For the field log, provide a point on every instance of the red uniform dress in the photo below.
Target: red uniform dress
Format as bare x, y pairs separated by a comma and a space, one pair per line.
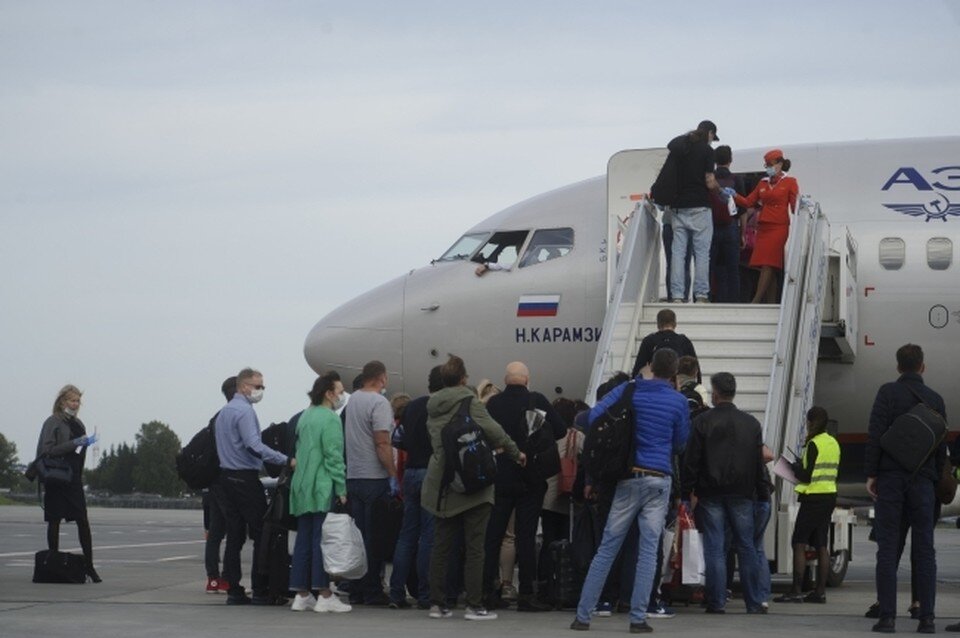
776, 197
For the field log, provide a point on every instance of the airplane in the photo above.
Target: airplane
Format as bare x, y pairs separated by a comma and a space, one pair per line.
896, 201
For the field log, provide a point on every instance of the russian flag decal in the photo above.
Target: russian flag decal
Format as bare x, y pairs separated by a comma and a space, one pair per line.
538, 305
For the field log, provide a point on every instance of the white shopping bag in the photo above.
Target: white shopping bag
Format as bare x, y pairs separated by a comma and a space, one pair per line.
692, 558
342, 547
669, 550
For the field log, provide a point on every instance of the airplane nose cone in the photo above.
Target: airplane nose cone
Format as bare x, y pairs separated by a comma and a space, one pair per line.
366, 328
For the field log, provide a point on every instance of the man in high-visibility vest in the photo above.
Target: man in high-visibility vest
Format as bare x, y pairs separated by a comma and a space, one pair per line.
817, 493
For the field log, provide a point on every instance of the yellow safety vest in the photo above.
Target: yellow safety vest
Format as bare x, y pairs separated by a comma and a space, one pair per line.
823, 480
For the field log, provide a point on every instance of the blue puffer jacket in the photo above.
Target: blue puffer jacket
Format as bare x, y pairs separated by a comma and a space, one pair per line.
663, 422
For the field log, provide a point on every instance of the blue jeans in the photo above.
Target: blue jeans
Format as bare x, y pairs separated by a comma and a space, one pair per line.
725, 263
642, 499
712, 515
761, 516
691, 225
416, 537
912, 500
361, 495
667, 236
306, 569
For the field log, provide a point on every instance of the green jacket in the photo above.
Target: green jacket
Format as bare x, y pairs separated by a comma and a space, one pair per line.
320, 473
440, 409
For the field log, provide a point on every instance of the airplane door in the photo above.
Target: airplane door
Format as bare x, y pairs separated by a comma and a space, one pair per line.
849, 297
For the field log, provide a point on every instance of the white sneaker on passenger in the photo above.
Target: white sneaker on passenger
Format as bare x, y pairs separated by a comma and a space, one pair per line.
436, 611
479, 614
303, 603
331, 605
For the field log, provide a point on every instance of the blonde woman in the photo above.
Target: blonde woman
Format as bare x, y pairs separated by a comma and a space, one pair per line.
64, 436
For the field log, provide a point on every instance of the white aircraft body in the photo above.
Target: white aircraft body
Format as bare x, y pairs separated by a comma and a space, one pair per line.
899, 201
893, 208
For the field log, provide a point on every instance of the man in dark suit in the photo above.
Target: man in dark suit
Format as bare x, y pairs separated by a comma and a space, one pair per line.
902, 494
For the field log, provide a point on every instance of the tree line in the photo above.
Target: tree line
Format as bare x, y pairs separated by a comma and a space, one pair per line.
147, 466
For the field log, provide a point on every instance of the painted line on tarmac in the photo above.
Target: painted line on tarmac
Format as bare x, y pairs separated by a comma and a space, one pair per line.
173, 558
101, 548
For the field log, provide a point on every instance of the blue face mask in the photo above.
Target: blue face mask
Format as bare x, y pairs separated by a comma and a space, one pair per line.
771, 171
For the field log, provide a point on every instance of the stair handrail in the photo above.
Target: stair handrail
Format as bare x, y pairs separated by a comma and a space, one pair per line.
643, 230
803, 372
794, 268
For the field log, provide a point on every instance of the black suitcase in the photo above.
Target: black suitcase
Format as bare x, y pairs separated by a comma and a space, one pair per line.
59, 567
565, 583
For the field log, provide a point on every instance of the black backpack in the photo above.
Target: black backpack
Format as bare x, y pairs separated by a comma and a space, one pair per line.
694, 400
915, 435
609, 445
198, 464
469, 464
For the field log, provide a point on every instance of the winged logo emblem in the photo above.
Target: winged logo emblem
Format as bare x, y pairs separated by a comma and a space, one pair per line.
940, 208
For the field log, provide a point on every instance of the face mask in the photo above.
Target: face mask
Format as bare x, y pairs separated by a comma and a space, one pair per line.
70, 412
383, 391
339, 403
771, 171
255, 396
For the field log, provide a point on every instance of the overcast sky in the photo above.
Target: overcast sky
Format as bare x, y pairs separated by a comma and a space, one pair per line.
187, 187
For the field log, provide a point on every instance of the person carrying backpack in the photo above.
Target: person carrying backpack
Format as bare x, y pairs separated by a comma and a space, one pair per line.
666, 336
688, 383
450, 489
661, 425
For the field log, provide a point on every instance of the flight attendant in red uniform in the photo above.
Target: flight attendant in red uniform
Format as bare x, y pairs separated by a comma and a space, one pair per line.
776, 194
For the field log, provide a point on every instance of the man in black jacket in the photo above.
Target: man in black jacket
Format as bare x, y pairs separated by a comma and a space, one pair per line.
518, 488
902, 495
666, 336
723, 465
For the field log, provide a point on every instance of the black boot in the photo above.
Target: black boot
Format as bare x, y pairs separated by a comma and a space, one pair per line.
92, 574
528, 602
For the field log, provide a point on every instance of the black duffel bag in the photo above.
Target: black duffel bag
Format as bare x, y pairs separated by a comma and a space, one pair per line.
59, 567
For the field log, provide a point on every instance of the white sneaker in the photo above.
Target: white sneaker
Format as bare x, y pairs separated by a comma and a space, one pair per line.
302, 603
436, 611
331, 605
479, 614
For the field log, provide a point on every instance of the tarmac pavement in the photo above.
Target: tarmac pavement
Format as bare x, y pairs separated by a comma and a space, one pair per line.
151, 562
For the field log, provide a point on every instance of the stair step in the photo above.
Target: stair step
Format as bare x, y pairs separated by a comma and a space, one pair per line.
714, 332
715, 313
759, 366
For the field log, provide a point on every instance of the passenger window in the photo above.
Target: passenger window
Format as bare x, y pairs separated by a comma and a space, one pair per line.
464, 247
548, 244
893, 252
502, 248
939, 253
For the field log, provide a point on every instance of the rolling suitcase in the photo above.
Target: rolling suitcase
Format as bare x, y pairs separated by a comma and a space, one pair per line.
566, 580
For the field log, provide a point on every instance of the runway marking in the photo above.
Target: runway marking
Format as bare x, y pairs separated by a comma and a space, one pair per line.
101, 548
173, 558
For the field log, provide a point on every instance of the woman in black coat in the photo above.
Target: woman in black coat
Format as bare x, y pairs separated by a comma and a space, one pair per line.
64, 436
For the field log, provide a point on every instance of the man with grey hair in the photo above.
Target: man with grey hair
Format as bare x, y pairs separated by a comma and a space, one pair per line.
238, 488
724, 466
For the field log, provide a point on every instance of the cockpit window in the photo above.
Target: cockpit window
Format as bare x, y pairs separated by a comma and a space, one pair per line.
502, 248
465, 247
547, 244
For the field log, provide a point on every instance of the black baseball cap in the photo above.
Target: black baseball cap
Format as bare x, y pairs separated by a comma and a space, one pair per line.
707, 125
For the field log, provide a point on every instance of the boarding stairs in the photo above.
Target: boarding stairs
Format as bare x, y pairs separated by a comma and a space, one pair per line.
771, 349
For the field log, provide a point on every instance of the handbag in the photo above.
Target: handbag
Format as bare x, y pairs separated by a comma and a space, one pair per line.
947, 485
568, 464
53, 470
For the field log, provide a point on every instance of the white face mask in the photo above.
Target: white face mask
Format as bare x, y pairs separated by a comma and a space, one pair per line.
339, 403
70, 412
255, 396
